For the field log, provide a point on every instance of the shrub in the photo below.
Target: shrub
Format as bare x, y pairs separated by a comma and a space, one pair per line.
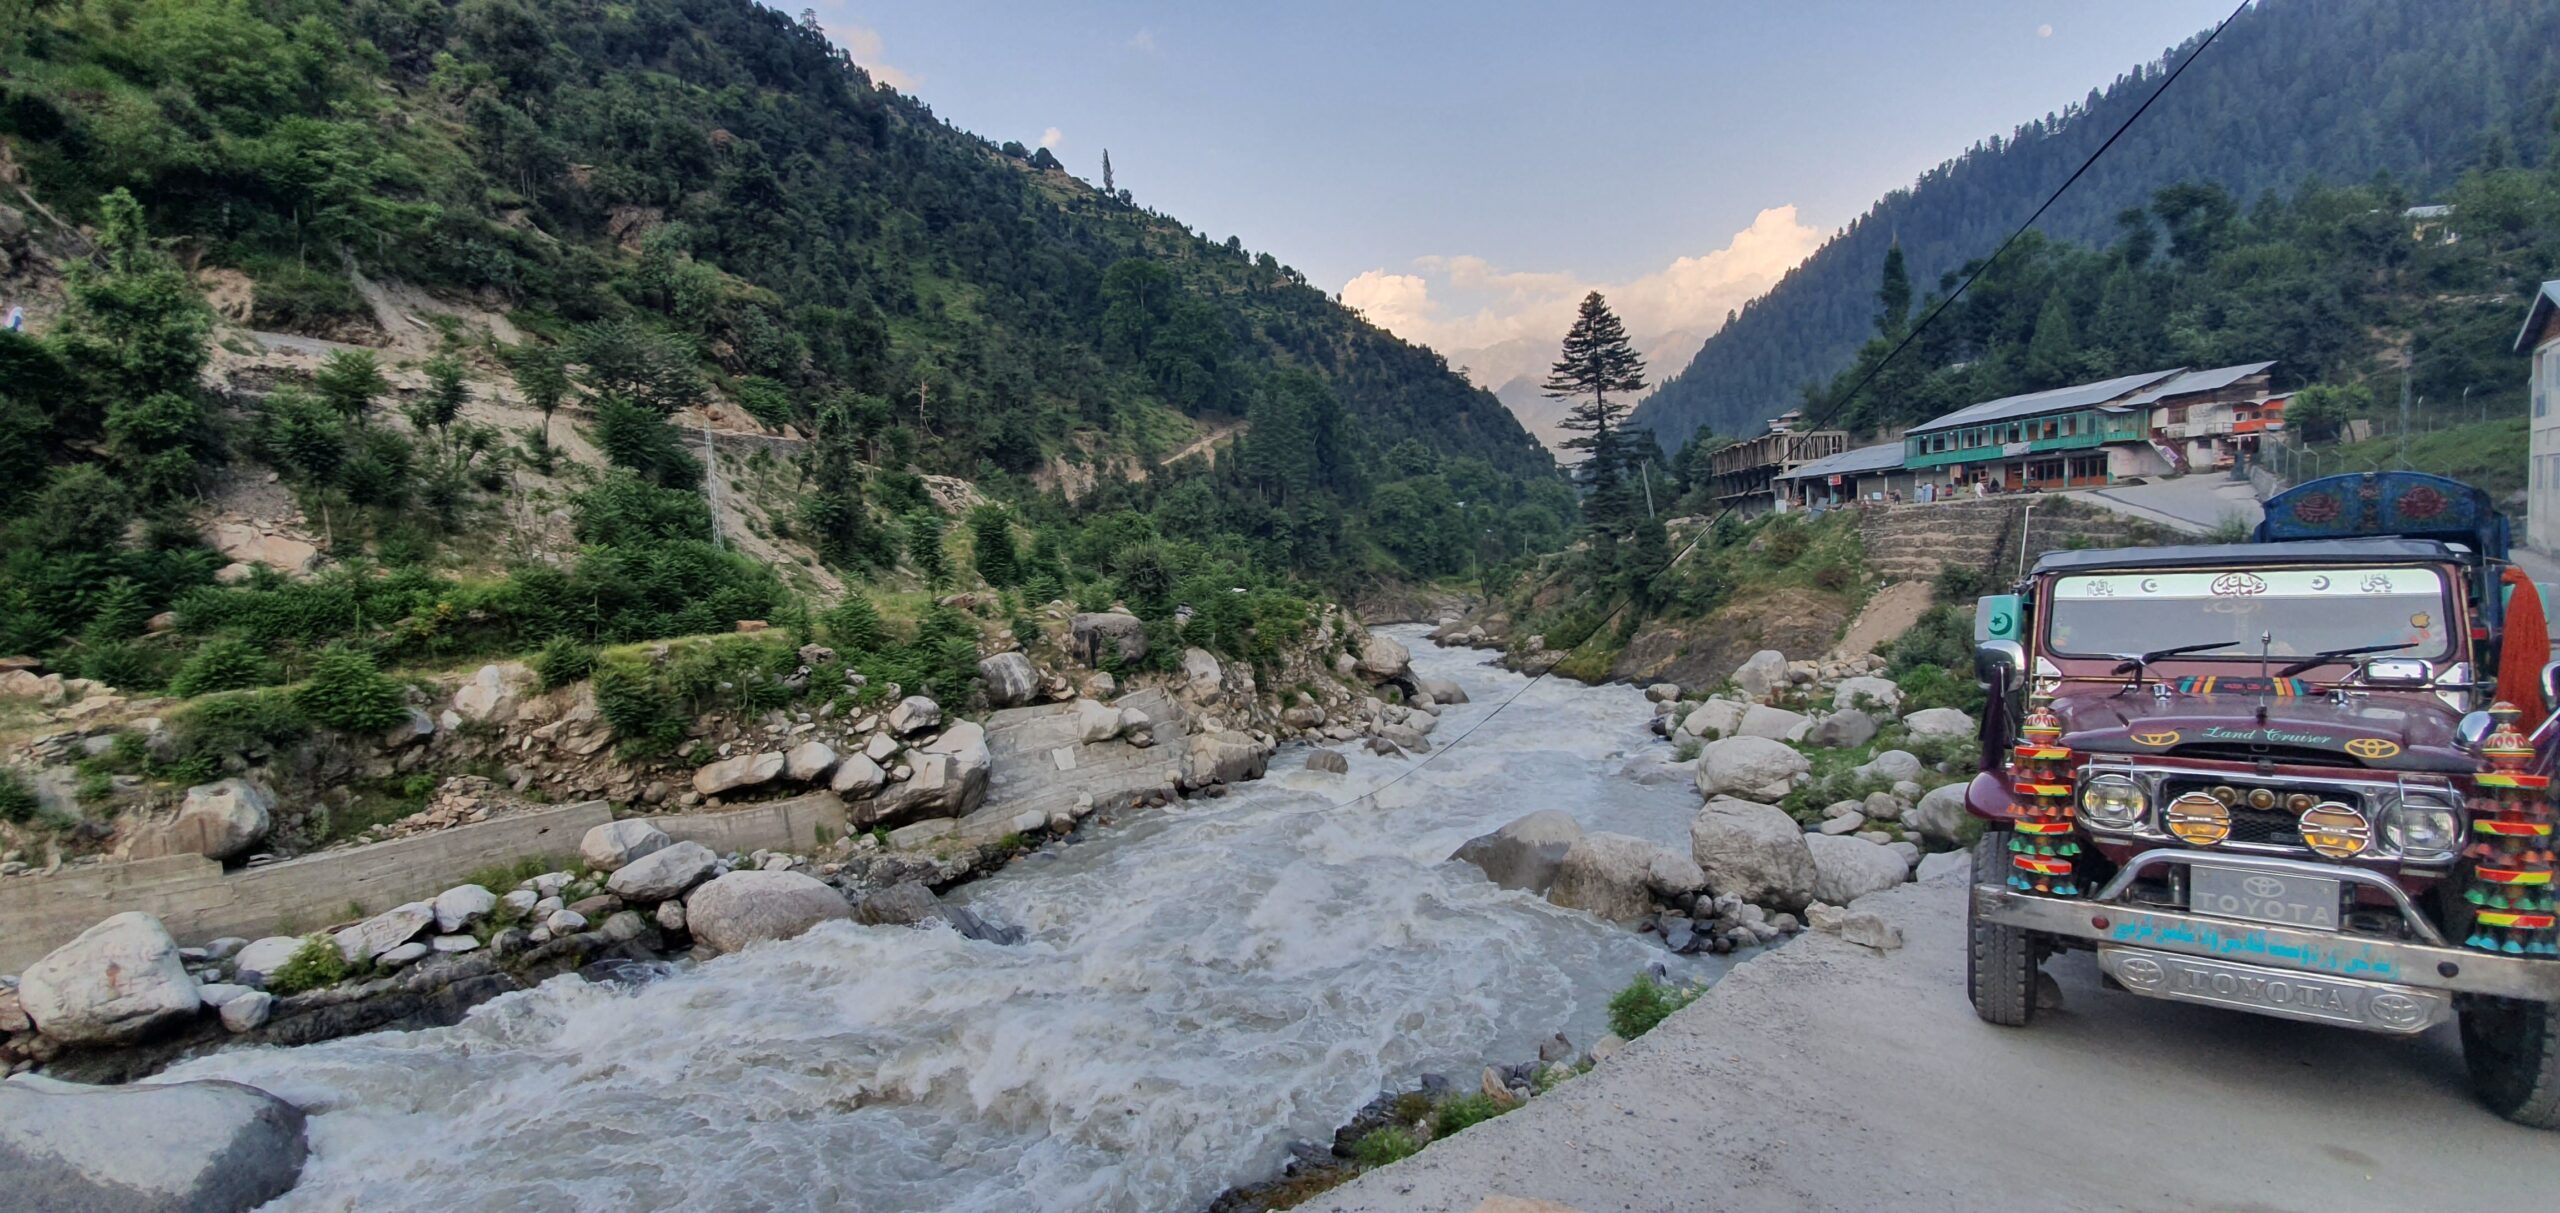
17, 797
225, 663
205, 733
1378, 1147
313, 965
1466, 1110
1958, 584
1635, 1010
563, 661
854, 626
624, 509
345, 692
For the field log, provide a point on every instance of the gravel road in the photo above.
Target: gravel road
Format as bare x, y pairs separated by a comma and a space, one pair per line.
1824, 1076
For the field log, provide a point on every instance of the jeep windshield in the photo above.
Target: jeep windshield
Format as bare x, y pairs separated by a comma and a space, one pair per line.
2305, 610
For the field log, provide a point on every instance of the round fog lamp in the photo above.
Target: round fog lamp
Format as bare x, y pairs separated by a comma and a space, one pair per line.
2335, 830
2226, 794
2112, 802
2261, 798
2198, 819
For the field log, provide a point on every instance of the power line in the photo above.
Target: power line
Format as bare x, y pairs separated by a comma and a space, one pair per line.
1833, 409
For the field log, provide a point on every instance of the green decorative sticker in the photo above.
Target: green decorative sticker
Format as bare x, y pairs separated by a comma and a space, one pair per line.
1996, 617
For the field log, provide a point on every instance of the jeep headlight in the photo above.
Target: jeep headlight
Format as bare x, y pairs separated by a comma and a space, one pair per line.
2422, 830
2112, 802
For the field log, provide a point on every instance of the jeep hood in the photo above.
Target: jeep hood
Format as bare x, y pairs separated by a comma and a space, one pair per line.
2405, 732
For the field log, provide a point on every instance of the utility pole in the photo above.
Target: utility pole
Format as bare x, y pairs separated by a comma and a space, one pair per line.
1644, 472
711, 484
2404, 416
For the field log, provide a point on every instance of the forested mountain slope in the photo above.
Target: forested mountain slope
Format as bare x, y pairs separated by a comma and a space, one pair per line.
2294, 90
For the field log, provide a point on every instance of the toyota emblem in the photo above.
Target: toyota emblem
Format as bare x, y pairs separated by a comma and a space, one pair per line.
2263, 886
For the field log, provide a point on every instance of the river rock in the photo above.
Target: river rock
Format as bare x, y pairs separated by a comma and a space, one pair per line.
743, 771
1867, 693
1010, 679
1382, 657
1662, 692
1202, 679
900, 905
1762, 675
664, 873
741, 908
264, 956
1882, 806
219, 820
914, 714
385, 931
968, 766
417, 950
857, 777
1331, 761
1526, 853
464, 904
1615, 876
1753, 851
1106, 635
1776, 724
1940, 722
1846, 869
185, 1147
1442, 690
1713, 719
809, 761
1222, 756
613, 846
1096, 721
1846, 729
1892, 766
116, 982
1754, 767
1406, 737
249, 1012
1940, 816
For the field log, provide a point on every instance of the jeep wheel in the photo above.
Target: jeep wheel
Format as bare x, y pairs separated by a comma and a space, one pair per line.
2000, 961
2512, 1048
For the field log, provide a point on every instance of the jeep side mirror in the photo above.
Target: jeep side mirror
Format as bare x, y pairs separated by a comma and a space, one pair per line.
2474, 728
2551, 686
2003, 664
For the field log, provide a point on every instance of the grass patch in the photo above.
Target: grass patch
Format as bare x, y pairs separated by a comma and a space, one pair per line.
1467, 1111
1378, 1147
1645, 1003
313, 965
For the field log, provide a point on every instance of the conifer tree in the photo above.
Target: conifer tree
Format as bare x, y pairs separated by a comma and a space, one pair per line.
1598, 361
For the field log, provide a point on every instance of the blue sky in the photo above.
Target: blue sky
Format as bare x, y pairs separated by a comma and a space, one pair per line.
1462, 171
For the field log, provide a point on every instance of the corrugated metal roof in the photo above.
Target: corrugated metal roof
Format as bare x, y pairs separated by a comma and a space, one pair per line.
1882, 457
2199, 381
2052, 400
2543, 301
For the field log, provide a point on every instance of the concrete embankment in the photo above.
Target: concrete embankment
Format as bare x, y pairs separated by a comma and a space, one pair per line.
1825, 1075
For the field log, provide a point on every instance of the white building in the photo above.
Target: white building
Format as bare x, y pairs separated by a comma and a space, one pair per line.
2540, 337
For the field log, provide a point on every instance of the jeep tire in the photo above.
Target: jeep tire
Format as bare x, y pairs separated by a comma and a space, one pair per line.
2000, 961
2512, 1048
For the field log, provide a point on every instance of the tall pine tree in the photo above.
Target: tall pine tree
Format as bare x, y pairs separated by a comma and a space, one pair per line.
1598, 361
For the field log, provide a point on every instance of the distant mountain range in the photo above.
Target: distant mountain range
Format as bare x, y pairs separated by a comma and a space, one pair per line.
2293, 91
1513, 371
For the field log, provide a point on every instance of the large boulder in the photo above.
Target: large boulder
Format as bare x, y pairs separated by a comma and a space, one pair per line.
809, 761
1846, 729
1939, 816
905, 904
457, 908
1524, 854
732, 911
1762, 675
1096, 721
1846, 869
1441, 690
1329, 761
1940, 722
664, 873
181, 1147
219, 820
118, 981
1714, 718
1382, 658
1010, 679
1753, 851
1776, 724
264, 956
1202, 678
1868, 692
1102, 636
1607, 875
385, 931
914, 714
743, 771
612, 846
1892, 766
492, 691
1751, 767
1222, 756
857, 777
968, 765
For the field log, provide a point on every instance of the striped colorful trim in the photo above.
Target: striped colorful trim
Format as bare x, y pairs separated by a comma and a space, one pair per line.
2514, 876
2510, 779
2043, 867
2511, 829
2043, 753
2043, 789
2207, 684
2043, 827
2522, 922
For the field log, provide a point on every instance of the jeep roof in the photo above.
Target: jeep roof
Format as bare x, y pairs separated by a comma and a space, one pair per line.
2309, 551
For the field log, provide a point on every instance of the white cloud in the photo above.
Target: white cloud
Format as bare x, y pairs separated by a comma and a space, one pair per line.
2045, 30
864, 44
1501, 323
1143, 40
1052, 137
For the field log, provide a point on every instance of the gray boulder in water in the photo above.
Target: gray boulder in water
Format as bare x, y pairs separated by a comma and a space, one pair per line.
1524, 854
188, 1147
729, 912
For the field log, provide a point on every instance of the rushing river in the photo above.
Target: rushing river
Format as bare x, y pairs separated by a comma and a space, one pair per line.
1200, 985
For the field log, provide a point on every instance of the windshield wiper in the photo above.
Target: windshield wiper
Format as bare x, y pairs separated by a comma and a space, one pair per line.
2331, 655
2134, 663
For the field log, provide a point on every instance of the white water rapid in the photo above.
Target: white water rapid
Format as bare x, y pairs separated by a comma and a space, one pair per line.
1200, 985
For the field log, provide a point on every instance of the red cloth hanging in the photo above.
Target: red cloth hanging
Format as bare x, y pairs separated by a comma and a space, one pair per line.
2524, 651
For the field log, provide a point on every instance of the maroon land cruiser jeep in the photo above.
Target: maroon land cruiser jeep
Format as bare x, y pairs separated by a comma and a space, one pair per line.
2280, 777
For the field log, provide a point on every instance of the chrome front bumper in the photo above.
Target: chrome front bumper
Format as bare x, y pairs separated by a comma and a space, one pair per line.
2261, 946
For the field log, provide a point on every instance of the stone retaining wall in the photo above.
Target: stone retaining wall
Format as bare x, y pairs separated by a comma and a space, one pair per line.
779, 825
197, 900
1914, 541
